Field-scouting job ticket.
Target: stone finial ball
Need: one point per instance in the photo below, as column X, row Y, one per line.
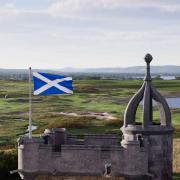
column 148, row 58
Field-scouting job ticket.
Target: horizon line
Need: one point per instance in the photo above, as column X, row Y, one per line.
column 4, row 68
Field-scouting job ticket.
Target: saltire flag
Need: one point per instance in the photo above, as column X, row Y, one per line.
column 46, row 84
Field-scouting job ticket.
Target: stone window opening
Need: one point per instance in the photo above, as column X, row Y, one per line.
column 140, row 139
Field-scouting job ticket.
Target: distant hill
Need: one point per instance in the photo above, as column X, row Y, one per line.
column 167, row 69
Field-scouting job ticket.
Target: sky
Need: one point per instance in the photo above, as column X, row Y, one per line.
column 54, row 34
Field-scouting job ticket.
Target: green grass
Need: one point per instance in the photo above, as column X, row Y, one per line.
column 89, row 96
column 176, row 176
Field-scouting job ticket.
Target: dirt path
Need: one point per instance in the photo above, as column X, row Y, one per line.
column 100, row 116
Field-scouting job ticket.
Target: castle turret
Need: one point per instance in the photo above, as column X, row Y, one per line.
column 155, row 138
column 145, row 152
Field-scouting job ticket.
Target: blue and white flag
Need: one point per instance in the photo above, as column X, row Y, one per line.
column 45, row 84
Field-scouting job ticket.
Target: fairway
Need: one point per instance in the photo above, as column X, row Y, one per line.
column 90, row 96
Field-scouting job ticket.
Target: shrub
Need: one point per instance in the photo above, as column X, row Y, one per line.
column 8, row 162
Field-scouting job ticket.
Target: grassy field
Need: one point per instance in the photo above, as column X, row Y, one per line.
column 90, row 96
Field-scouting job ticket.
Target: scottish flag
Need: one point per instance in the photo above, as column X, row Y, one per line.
column 45, row 84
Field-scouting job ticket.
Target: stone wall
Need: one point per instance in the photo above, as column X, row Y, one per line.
column 160, row 156
column 76, row 178
column 176, row 155
column 79, row 159
column 35, row 157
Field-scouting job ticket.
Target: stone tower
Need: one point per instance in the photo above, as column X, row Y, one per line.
column 156, row 138
column 145, row 152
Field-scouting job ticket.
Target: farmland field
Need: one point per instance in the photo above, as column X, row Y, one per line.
column 97, row 106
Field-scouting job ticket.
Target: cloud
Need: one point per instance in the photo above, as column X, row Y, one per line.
column 86, row 9
column 61, row 7
column 8, row 9
column 95, row 35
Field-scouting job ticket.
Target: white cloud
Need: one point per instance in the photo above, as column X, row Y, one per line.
column 8, row 10
column 61, row 7
column 84, row 9
column 94, row 35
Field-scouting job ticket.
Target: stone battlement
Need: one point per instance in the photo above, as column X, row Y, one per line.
column 50, row 156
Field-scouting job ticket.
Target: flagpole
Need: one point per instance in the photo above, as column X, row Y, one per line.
column 30, row 104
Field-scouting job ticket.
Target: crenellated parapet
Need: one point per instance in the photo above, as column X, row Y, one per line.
column 60, row 154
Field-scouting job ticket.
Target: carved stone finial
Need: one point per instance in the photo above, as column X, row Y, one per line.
column 148, row 58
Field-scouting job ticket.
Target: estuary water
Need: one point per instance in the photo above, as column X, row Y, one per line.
column 173, row 102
